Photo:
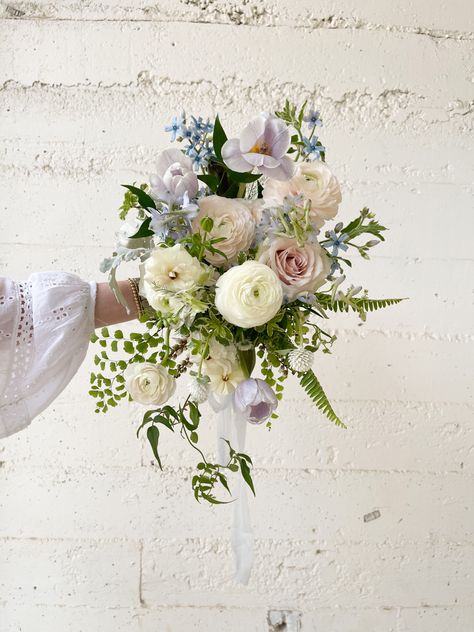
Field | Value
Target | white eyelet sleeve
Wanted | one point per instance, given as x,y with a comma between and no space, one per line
45,327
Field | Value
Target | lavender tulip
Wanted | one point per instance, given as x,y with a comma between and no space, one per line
262,145
255,399
174,180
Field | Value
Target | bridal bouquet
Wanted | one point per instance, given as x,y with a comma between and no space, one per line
237,263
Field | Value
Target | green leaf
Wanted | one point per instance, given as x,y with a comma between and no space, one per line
128,347
245,471
144,230
153,434
245,177
144,199
211,180
218,138
161,419
214,501
247,360
194,414
315,391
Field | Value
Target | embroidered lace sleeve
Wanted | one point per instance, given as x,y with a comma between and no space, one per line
45,326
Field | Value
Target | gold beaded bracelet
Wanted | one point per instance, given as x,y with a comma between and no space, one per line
140,303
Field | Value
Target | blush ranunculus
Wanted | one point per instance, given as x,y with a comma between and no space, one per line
315,182
300,269
233,220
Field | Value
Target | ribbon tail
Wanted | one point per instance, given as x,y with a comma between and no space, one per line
243,540
232,427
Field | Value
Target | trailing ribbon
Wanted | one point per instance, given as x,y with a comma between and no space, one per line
232,426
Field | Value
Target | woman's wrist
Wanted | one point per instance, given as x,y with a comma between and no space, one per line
141,304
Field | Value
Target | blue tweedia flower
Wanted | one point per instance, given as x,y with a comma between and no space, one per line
185,132
312,148
174,127
313,118
290,201
336,242
266,226
200,126
198,158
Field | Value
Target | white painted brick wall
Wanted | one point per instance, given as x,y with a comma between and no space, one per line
92,536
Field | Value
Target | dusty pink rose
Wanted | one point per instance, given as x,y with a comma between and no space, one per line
233,220
300,269
315,182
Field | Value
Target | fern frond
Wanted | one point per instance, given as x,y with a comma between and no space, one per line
315,391
356,304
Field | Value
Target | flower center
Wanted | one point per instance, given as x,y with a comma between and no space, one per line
172,274
261,148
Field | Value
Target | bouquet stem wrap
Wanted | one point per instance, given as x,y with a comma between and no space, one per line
232,426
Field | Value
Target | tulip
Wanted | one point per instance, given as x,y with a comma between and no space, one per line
262,145
255,399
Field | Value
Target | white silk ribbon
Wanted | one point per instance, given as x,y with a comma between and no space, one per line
232,426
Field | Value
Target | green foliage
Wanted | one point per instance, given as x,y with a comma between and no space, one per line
294,116
143,199
315,391
361,304
144,230
356,304
186,418
219,137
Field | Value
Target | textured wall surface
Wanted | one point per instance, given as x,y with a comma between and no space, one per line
92,536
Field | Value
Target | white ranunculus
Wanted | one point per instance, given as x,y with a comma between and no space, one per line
172,269
174,180
149,383
315,182
249,295
233,221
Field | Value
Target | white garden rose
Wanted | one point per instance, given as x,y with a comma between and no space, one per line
315,182
172,269
149,383
233,220
300,269
249,295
